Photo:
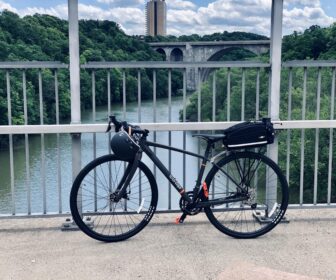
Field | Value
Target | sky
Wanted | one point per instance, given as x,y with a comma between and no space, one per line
190,16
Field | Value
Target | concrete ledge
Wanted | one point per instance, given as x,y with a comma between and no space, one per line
243,271
302,249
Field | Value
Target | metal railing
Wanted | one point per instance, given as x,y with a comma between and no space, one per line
229,82
311,93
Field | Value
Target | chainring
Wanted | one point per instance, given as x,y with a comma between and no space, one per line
184,205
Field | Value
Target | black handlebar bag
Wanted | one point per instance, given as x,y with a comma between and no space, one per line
249,134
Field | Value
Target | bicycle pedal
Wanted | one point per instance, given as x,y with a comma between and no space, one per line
180,220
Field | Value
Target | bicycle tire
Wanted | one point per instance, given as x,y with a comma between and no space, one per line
102,218
266,186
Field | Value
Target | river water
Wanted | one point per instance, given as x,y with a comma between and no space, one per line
56,199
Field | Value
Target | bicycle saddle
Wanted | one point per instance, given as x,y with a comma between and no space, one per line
210,137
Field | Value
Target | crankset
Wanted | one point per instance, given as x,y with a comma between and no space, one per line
185,206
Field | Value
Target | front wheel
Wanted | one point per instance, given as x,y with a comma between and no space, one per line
260,184
95,209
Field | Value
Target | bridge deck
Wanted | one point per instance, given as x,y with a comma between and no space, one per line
302,249
212,43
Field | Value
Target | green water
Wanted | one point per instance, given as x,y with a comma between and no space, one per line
19,200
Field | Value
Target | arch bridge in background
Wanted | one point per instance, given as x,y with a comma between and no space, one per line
205,51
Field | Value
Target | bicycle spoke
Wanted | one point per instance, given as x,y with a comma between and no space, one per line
113,221
260,181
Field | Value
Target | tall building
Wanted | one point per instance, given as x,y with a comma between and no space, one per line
156,18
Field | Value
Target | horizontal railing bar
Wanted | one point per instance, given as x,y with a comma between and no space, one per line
311,206
32,64
164,64
158,211
306,124
65,214
175,64
309,63
190,126
34,215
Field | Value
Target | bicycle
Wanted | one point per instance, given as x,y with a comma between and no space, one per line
244,195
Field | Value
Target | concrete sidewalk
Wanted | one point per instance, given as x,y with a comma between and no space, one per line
303,249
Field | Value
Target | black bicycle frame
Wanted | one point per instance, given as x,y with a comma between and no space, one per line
144,144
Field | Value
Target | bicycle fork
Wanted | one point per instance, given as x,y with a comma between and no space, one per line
126,179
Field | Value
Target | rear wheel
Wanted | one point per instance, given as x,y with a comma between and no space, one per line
264,188
93,194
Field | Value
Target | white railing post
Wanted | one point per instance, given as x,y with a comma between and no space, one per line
74,67
74,61
74,83
274,95
275,51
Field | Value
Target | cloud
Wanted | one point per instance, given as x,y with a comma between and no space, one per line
6,6
220,15
60,11
172,4
182,17
306,3
246,15
121,3
300,19
180,5
185,17
131,20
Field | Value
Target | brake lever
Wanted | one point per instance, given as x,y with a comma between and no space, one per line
117,125
109,127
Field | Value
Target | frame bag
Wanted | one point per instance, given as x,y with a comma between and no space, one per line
249,134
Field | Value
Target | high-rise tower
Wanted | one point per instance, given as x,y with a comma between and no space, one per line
156,18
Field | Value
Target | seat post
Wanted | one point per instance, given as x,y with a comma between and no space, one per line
207,150
203,165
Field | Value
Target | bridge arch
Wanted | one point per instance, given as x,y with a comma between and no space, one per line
176,55
162,52
218,55
237,53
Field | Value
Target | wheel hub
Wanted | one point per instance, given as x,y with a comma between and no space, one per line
251,196
114,196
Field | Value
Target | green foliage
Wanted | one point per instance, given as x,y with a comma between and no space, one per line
45,38
314,43
232,94
293,108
